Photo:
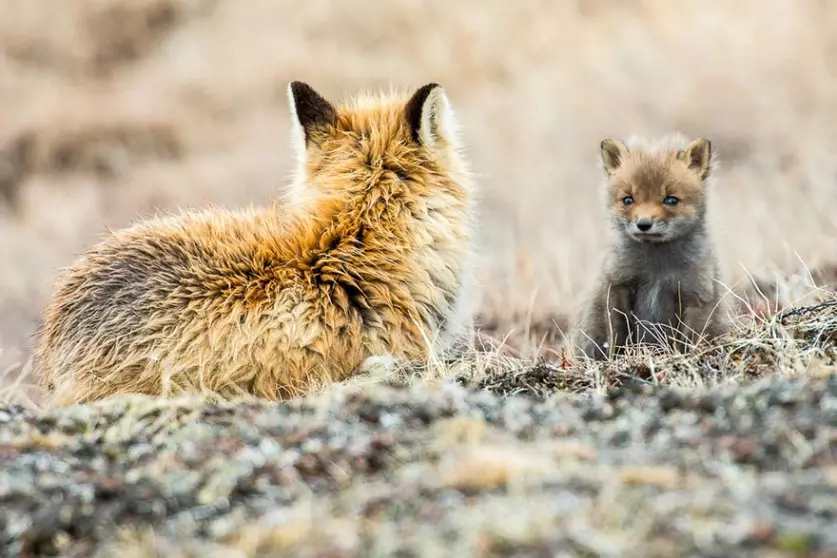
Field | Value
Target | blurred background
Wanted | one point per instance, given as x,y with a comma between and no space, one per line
111,110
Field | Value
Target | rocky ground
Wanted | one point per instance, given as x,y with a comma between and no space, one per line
525,463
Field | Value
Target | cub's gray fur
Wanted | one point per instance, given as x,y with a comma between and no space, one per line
660,282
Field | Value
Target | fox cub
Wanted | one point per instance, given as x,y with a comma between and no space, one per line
660,282
369,258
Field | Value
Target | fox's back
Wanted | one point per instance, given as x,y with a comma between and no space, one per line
367,258
195,286
170,265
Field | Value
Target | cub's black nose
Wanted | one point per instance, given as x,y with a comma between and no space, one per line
644,225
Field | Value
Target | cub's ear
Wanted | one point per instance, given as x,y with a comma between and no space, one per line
698,156
309,111
613,154
430,117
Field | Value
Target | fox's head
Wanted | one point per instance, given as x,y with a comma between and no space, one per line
657,194
400,143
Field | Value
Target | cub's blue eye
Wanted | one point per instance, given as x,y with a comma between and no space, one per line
627,200
671,200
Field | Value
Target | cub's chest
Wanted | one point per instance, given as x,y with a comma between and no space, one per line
662,285
662,297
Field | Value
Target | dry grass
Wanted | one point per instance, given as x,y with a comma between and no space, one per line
797,341
111,110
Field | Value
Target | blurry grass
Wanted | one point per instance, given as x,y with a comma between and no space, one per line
19,387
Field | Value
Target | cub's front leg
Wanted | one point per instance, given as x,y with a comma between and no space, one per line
707,321
605,322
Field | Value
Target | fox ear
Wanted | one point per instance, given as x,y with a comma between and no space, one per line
698,155
430,117
309,112
613,154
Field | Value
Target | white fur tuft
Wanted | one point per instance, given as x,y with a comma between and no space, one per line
439,127
297,136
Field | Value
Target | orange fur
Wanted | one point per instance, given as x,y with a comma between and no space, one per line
370,256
